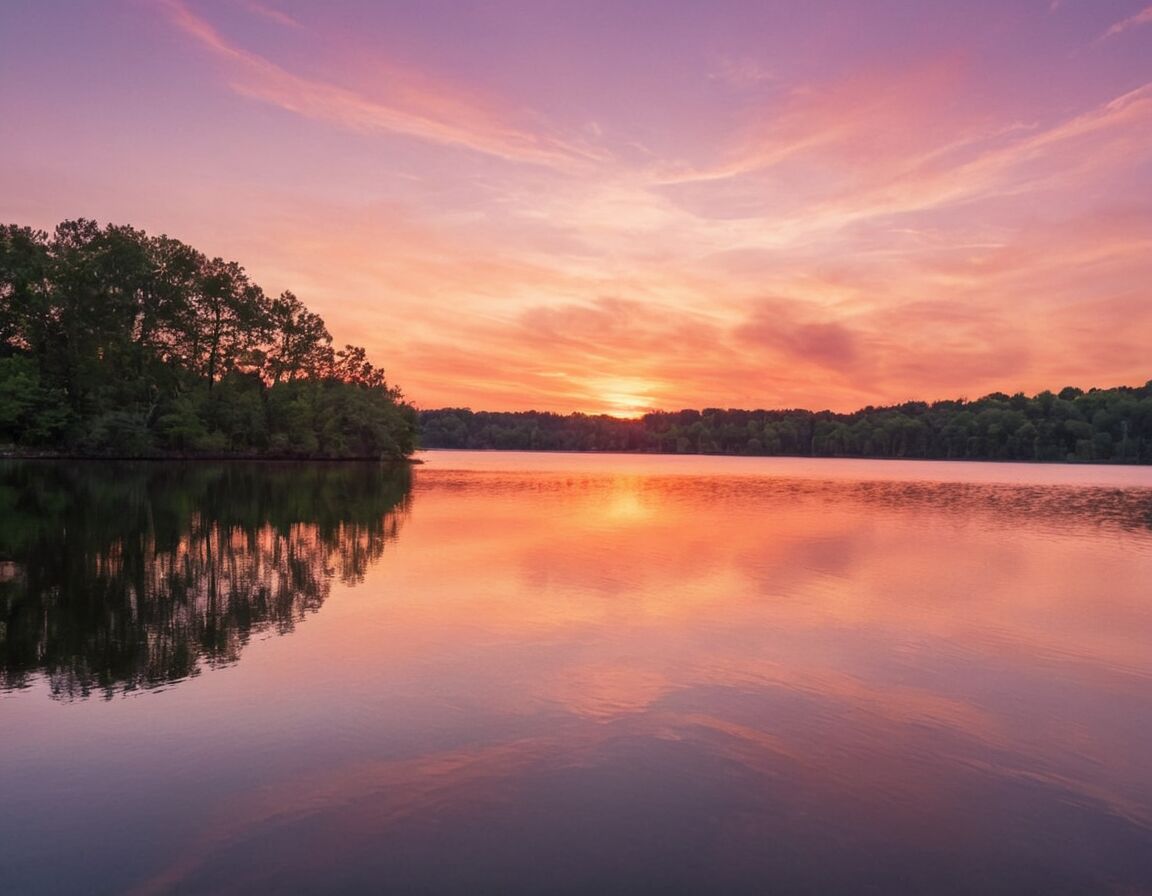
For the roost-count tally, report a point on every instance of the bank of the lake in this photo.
(1097, 426)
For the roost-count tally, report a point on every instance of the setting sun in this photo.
(622, 397)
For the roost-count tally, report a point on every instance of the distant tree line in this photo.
(113, 342)
(1101, 425)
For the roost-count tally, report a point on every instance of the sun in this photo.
(625, 397)
(628, 406)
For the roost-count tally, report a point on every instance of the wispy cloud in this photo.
(1144, 17)
(409, 104)
(742, 72)
(273, 14)
(873, 149)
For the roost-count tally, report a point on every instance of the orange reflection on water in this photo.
(918, 661)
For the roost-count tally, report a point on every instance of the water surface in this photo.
(511, 672)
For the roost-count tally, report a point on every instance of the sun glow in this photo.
(624, 397)
(506, 234)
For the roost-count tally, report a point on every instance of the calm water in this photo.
(519, 673)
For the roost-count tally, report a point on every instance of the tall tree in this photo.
(300, 344)
(231, 312)
(114, 342)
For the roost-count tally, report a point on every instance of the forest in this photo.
(116, 343)
(1100, 425)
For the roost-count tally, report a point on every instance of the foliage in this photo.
(116, 343)
(1101, 425)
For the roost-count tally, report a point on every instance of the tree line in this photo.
(1100, 425)
(114, 342)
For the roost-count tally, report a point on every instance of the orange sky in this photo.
(598, 207)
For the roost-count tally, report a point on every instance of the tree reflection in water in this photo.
(116, 577)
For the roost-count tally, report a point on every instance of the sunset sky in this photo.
(611, 206)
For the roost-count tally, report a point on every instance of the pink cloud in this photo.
(1144, 17)
(411, 105)
(894, 143)
(273, 14)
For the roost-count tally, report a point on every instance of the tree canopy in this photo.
(114, 342)
(1100, 425)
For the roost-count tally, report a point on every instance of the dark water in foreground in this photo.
(517, 673)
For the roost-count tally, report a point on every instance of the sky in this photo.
(611, 206)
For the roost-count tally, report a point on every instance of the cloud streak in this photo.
(1144, 17)
(869, 134)
(273, 14)
(412, 105)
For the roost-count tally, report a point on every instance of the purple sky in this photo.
(611, 206)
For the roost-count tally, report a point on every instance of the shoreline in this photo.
(938, 460)
(43, 455)
(216, 458)
(8, 454)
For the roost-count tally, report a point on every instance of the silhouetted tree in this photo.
(1113, 425)
(116, 343)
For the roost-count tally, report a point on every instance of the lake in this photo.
(525, 673)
